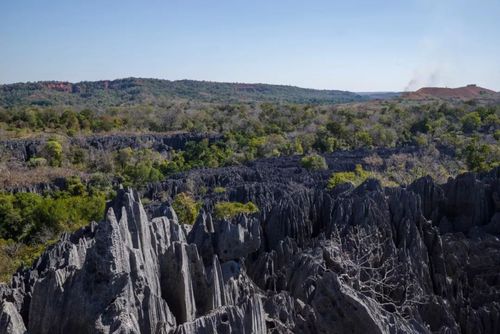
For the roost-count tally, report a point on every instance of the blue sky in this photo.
(353, 45)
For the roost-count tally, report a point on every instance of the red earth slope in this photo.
(463, 93)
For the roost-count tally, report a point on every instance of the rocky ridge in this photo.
(419, 259)
(24, 149)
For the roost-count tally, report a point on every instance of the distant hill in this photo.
(462, 93)
(132, 91)
(380, 95)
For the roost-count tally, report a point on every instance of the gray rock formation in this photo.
(421, 259)
(129, 274)
(24, 149)
(10, 319)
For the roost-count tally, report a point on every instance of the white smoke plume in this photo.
(429, 76)
(440, 46)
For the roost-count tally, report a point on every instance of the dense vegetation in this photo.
(467, 132)
(29, 221)
(134, 91)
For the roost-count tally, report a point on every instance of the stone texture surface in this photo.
(420, 259)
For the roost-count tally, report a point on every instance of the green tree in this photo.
(54, 153)
(471, 122)
(314, 162)
(124, 156)
(496, 135)
(325, 143)
(75, 186)
(10, 218)
(478, 156)
(422, 126)
(69, 120)
(337, 129)
(364, 138)
(186, 208)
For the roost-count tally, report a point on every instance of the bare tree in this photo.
(371, 266)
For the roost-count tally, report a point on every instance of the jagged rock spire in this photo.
(419, 259)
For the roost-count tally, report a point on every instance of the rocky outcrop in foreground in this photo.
(421, 259)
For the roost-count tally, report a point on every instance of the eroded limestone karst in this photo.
(420, 259)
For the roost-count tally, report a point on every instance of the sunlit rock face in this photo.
(420, 259)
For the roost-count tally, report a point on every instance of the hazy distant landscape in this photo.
(150, 91)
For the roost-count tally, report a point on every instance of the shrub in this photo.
(382, 136)
(186, 208)
(37, 162)
(10, 218)
(355, 177)
(325, 143)
(297, 147)
(124, 156)
(100, 182)
(480, 157)
(75, 186)
(69, 120)
(421, 140)
(337, 129)
(78, 156)
(492, 120)
(422, 126)
(202, 190)
(314, 162)
(496, 135)
(364, 138)
(53, 149)
(14, 255)
(228, 210)
(471, 122)
(177, 163)
(203, 154)
(219, 190)
(140, 174)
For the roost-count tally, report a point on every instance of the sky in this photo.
(356, 45)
